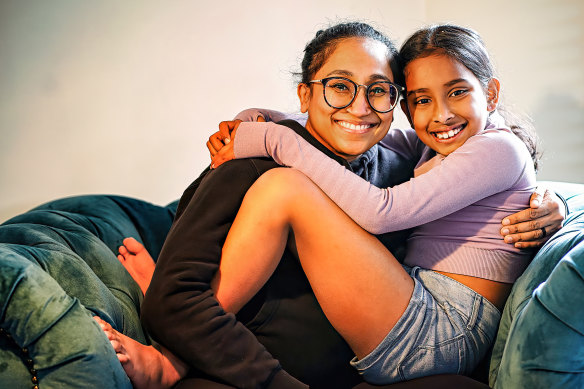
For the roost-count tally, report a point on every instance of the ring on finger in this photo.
(543, 232)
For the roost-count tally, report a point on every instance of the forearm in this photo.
(425, 198)
(357, 197)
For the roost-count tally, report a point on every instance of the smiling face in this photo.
(447, 103)
(350, 131)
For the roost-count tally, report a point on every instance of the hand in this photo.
(220, 145)
(222, 137)
(222, 156)
(525, 229)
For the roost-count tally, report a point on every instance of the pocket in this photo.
(441, 358)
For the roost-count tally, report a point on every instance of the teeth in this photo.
(447, 134)
(354, 127)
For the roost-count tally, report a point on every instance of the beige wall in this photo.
(120, 97)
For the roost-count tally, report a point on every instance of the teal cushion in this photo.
(545, 348)
(536, 305)
(68, 348)
(58, 268)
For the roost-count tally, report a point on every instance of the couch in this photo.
(58, 268)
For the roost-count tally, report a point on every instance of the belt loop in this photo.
(475, 312)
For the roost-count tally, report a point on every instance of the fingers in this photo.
(553, 204)
(226, 127)
(525, 235)
(525, 227)
(537, 197)
(226, 154)
(529, 244)
(222, 137)
(216, 142)
(529, 214)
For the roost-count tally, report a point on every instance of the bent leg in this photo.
(360, 286)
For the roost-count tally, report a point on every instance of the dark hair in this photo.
(318, 50)
(466, 46)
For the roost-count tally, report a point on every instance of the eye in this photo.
(421, 101)
(377, 91)
(339, 86)
(458, 92)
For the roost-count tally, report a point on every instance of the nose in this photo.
(442, 112)
(360, 106)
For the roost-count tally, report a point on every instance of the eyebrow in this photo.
(448, 84)
(346, 73)
(455, 81)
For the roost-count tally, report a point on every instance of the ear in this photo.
(404, 107)
(304, 96)
(493, 89)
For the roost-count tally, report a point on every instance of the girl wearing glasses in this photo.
(439, 312)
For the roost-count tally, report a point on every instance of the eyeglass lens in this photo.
(339, 93)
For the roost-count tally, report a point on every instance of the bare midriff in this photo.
(494, 291)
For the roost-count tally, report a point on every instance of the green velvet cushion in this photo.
(539, 343)
(67, 348)
(58, 268)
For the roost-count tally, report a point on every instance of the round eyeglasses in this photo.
(340, 92)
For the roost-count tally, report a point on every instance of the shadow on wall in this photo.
(559, 121)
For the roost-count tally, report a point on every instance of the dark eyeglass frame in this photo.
(399, 89)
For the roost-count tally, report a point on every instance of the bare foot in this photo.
(137, 261)
(146, 367)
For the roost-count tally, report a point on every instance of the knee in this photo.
(281, 186)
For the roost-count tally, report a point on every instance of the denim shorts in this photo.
(446, 328)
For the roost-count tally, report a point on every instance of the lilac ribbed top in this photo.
(456, 206)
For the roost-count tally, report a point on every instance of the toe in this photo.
(123, 250)
(133, 245)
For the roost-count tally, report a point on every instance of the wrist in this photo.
(250, 140)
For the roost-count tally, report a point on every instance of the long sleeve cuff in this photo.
(250, 140)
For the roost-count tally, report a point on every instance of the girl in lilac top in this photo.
(456, 205)
(437, 313)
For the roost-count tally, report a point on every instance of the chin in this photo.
(352, 150)
(357, 149)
